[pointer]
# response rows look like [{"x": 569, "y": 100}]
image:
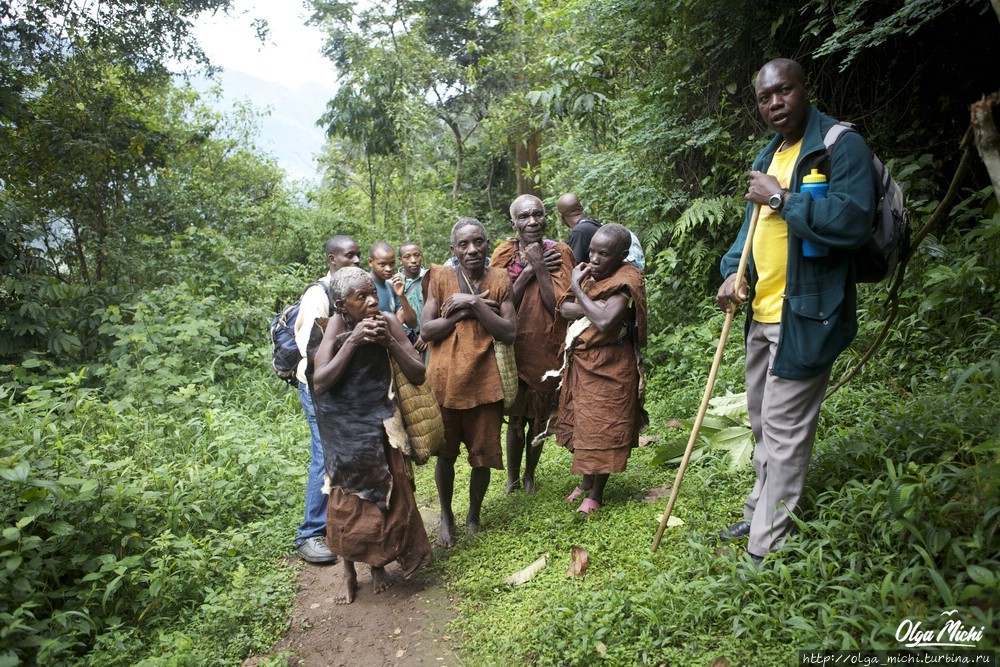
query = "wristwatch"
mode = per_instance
[{"x": 777, "y": 200}]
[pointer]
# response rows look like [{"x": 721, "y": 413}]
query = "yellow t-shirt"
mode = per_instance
[{"x": 770, "y": 244}]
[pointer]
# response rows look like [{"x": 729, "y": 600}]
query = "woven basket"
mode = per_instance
[
  {"x": 421, "y": 415},
  {"x": 507, "y": 366}
]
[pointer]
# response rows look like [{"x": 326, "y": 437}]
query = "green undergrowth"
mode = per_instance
[
  {"x": 899, "y": 522},
  {"x": 147, "y": 534}
]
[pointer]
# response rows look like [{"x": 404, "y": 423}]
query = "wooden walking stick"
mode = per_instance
[{"x": 740, "y": 270}]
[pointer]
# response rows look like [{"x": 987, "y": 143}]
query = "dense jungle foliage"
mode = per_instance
[{"x": 151, "y": 466}]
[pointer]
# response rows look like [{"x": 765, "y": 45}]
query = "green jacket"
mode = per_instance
[{"x": 819, "y": 312}]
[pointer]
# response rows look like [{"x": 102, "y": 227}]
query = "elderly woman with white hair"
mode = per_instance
[{"x": 372, "y": 514}]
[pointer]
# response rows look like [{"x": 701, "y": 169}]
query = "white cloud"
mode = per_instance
[{"x": 291, "y": 54}]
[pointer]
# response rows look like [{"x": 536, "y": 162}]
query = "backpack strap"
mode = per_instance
[
  {"x": 882, "y": 175},
  {"x": 463, "y": 282},
  {"x": 413, "y": 284},
  {"x": 835, "y": 132}
]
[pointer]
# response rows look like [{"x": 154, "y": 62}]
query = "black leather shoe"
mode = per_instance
[{"x": 737, "y": 531}]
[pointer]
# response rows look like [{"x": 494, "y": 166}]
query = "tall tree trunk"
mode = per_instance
[
  {"x": 526, "y": 155},
  {"x": 984, "y": 128},
  {"x": 371, "y": 188},
  {"x": 457, "y": 131}
]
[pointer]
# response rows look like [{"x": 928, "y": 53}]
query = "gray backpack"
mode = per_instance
[{"x": 890, "y": 243}]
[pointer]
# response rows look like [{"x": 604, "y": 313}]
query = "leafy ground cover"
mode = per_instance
[
  {"x": 130, "y": 536},
  {"x": 158, "y": 534},
  {"x": 889, "y": 532}
]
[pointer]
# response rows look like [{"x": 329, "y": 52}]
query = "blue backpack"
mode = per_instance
[{"x": 285, "y": 355}]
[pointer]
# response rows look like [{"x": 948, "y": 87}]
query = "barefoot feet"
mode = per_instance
[
  {"x": 529, "y": 484},
  {"x": 512, "y": 486},
  {"x": 446, "y": 533},
  {"x": 346, "y": 595},
  {"x": 472, "y": 524},
  {"x": 380, "y": 581}
]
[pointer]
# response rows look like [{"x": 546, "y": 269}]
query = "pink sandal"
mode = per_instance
[
  {"x": 577, "y": 492},
  {"x": 589, "y": 506}
]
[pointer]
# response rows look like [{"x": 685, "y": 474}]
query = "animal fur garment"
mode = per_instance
[{"x": 351, "y": 416}]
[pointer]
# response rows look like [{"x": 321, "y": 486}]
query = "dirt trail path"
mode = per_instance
[{"x": 405, "y": 625}]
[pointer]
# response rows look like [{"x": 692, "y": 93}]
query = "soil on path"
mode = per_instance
[{"x": 405, "y": 625}]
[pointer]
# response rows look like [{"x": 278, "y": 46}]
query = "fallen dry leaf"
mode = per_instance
[
  {"x": 579, "y": 562},
  {"x": 675, "y": 423},
  {"x": 645, "y": 440},
  {"x": 528, "y": 573},
  {"x": 652, "y": 495},
  {"x": 672, "y": 522}
]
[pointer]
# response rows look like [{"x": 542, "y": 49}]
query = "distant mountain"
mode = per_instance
[{"x": 290, "y": 132}]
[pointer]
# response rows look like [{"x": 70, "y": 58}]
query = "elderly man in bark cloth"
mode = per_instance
[
  {"x": 600, "y": 404},
  {"x": 539, "y": 270},
  {"x": 467, "y": 305},
  {"x": 802, "y": 312},
  {"x": 372, "y": 514}
]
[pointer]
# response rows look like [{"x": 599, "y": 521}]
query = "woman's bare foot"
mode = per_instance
[
  {"x": 446, "y": 532},
  {"x": 512, "y": 486},
  {"x": 380, "y": 582},
  {"x": 529, "y": 484},
  {"x": 472, "y": 524},
  {"x": 346, "y": 595}
]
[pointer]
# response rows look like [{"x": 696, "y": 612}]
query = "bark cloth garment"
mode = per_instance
[
  {"x": 463, "y": 367},
  {"x": 540, "y": 332},
  {"x": 372, "y": 515},
  {"x": 600, "y": 409}
]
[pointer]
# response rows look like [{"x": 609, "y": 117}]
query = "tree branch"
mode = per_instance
[{"x": 892, "y": 299}]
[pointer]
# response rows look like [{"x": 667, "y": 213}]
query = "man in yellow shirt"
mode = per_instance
[{"x": 803, "y": 309}]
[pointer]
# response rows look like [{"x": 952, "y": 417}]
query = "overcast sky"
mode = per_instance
[
  {"x": 286, "y": 74},
  {"x": 291, "y": 54}
]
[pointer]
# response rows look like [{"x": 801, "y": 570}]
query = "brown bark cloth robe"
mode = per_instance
[
  {"x": 463, "y": 372},
  {"x": 600, "y": 410},
  {"x": 463, "y": 368},
  {"x": 372, "y": 514},
  {"x": 540, "y": 332}
]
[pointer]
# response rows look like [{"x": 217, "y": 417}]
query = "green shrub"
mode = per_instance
[{"x": 126, "y": 523}]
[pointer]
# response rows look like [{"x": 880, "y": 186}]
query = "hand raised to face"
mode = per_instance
[
  {"x": 532, "y": 253},
  {"x": 581, "y": 271},
  {"x": 398, "y": 285}
]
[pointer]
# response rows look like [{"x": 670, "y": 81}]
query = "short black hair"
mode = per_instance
[
  {"x": 335, "y": 242},
  {"x": 619, "y": 234},
  {"x": 465, "y": 222},
  {"x": 381, "y": 246}
]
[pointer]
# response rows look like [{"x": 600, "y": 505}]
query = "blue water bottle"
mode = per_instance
[{"x": 816, "y": 185}]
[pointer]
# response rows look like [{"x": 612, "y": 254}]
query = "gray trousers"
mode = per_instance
[{"x": 783, "y": 415}]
